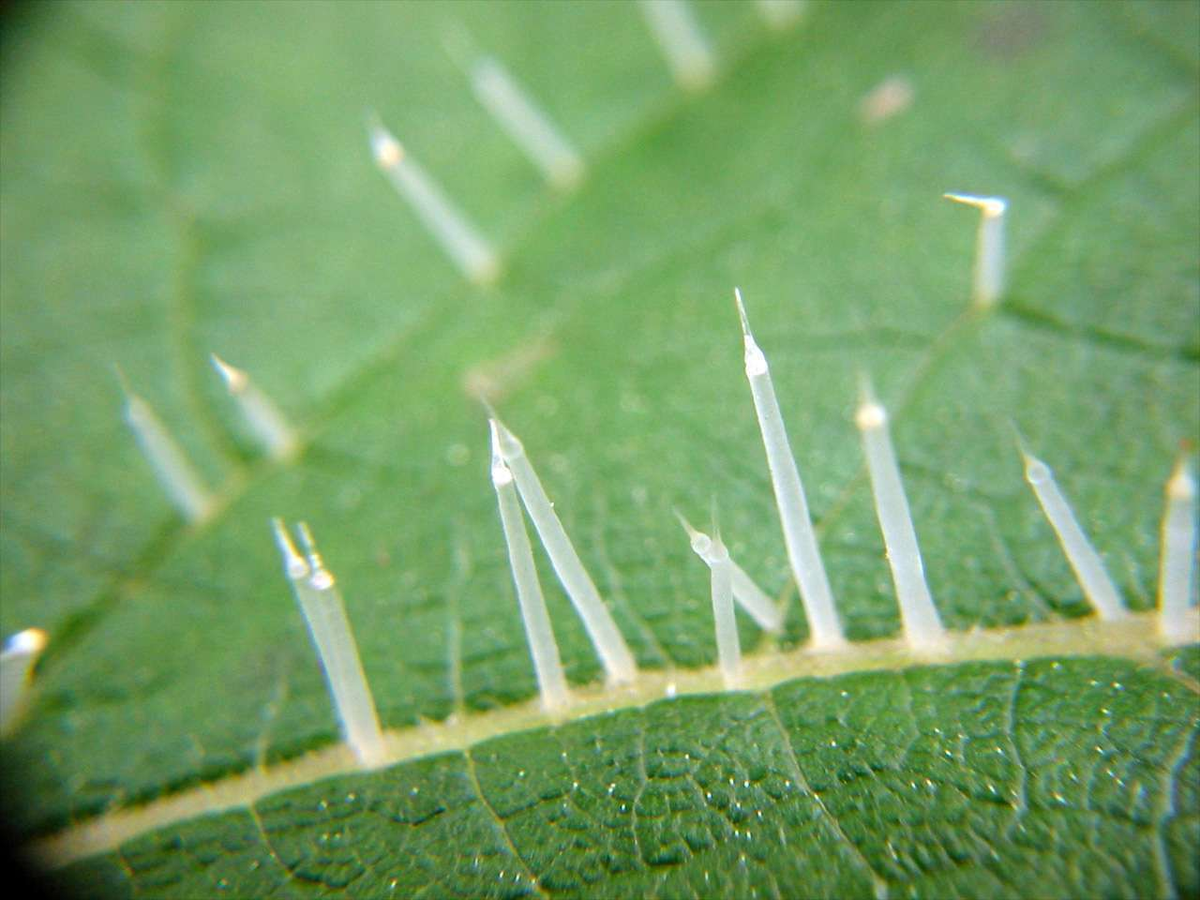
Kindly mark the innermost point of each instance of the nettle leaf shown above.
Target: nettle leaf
(183, 179)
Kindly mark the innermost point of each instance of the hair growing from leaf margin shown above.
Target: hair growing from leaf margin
(516, 483)
(513, 477)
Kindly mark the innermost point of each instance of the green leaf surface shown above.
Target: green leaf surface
(985, 779)
(180, 179)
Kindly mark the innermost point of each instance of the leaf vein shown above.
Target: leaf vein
(856, 854)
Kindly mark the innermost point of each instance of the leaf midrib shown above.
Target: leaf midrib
(1135, 638)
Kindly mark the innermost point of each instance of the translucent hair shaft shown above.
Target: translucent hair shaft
(1085, 562)
(175, 473)
(781, 14)
(1177, 568)
(597, 620)
(989, 275)
(713, 552)
(678, 35)
(465, 246)
(922, 625)
(753, 599)
(542, 646)
(325, 613)
(523, 120)
(799, 536)
(17, 659)
(264, 418)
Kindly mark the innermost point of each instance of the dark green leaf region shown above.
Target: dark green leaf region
(1074, 778)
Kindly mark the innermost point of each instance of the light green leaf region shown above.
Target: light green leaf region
(180, 179)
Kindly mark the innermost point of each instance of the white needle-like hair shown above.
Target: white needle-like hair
(781, 14)
(597, 620)
(1085, 562)
(325, 613)
(729, 651)
(260, 413)
(17, 659)
(682, 42)
(922, 626)
(753, 599)
(799, 537)
(175, 474)
(989, 247)
(1178, 565)
(529, 127)
(715, 555)
(542, 645)
(461, 242)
